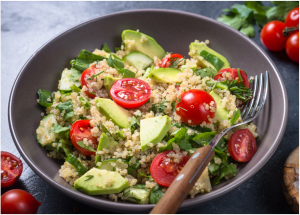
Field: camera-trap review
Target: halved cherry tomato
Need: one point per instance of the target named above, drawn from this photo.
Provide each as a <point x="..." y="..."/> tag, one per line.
<point x="272" y="37"/>
<point x="242" y="145"/>
<point x="166" y="62"/>
<point x="86" y="78"/>
<point x="195" y="106"/>
<point x="19" y="202"/>
<point x="11" y="169"/>
<point x="292" y="18"/>
<point x="81" y="129"/>
<point x="292" y="47"/>
<point x="130" y="92"/>
<point x="233" y="74"/>
<point x="163" y="168"/>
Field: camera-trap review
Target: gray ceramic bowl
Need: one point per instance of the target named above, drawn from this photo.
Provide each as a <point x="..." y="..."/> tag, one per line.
<point x="44" y="68"/>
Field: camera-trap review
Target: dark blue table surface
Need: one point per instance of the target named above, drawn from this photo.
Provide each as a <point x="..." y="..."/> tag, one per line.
<point x="25" y="26"/>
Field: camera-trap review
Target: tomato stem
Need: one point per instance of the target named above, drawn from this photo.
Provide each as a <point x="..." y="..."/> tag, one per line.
<point x="287" y="30"/>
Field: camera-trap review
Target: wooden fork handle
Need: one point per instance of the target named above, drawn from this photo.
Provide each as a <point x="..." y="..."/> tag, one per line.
<point x="182" y="185"/>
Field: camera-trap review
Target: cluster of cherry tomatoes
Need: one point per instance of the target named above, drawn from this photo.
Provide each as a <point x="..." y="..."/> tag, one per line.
<point x="277" y="35"/>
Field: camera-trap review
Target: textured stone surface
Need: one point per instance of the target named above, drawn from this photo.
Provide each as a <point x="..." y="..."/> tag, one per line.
<point x="26" y="26"/>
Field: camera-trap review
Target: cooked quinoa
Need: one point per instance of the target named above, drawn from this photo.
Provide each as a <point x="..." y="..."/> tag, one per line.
<point x="130" y="145"/>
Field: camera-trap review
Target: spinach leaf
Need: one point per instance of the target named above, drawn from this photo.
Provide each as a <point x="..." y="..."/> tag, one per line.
<point x="105" y="48"/>
<point x="180" y="133"/>
<point x="67" y="107"/>
<point x="67" y="147"/>
<point x="75" y="75"/>
<point x="44" y="97"/>
<point x="156" y="194"/>
<point x="115" y="62"/>
<point x="214" y="60"/>
<point x="68" y="115"/>
<point x="85" y="103"/>
<point x="168" y="146"/>
<point x="56" y="128"/>
<point x="82" y="145"/>
<point x="185" y="145"/>
<point x="126" y="73"/>
<point x="206" y="72"/>
<point x="75" y="88"/>
<point x="221" y="155"/>
<point x="204" y="138"/>
<point x="133" y="167"/>
<point x="77" y="164"/>
<point x="158" y="107"/>
<point x="213" y="168"/>
<point x="220" y="143"/>
<point x="134" y="124"/>
<point x="235" y="116"/>
<point x="84" y="59"/>
<point x="225" y="170"/>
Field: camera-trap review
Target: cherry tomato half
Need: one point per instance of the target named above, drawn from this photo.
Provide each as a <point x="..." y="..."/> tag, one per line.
<point x="195" y="106"/>
<point x="272" y="37"/>
<point x="242" y="145"/>
<point x="164" y="169"/>
<point x="81" y="129"/>
<point x="130" y="92"/>
<point x="166" y="62"/>
<point x="292" y="47"/>
<point x="223" y="74"/>
<point x="19" y="202"/>
<point x="11" y="169"/>
<point x="86" y="78"/>
<point x="292" y="18"/>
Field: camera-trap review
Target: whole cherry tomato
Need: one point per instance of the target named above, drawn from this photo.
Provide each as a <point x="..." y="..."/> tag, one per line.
<point x="292" y="47"/>
<point x="292" y="18"/>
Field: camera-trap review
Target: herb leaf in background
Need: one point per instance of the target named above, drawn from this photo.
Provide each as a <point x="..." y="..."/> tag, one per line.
<point x="105" y="48"/>
<point x="225" y="170"/>
<point x="85" y="103"/>
<point x="82" y="145"/>
<point x="44" y="96"/>
<point x="56" y="128"/>
<point x="126" y="73"/>
<point x="133" y="167"/>
<point x="235" y="116"/>
<point x="159" y="107"/>
<point x="280" y="10"/>
<point x="156" y="194"/>
<point x="84" y="59"/>
<point x="134" y="124"/>
<point x="206" y="72"/>
<point x="204" y="138"/>
<point x="115" y="62"/>
<point x="67" y="107"/>
<point x="75" y="88"/>
<point x="147" y="176"/>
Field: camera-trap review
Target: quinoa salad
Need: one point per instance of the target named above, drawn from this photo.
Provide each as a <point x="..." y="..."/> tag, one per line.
<point x="126" y="121"/>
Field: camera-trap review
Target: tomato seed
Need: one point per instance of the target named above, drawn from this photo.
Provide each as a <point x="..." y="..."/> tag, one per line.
<point x="8" y="158"/>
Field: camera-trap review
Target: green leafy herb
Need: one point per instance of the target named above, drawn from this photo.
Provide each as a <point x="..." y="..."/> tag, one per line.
<point x="144" y="175"/>
<point x="175" y="61"/>
<point x="85" y="103"/>
<point x="214" y="60"/>
<point x="75" y="75"/>
<point x="206" y="72"/>
<point x="173" y="104"/>
<point x="197" y="128"/>
<point x="134" y="124"/>
<point x="67" y="147"/>
<point x="115" y="62"/>
<point x="45" y="98"/>
<point x="117" y="49"/>
<point x="56" y="128"/>
<point x="280" y="10"/>
<point x="183" y="109"/>
<point x="133" y="167"/>
<point x="229" y="169"/>
<point x="89" y="177"/>
<point x="159" y="107"/>
<point x="50" y="147"/>
<point x="204" y="138"/>
<point x="156" y="194"/>
<point x="239" y="74"/>
<point x="77" y="164"/>
<point x="221" y="142"/>
<point x="235" y="116"/>
<point x="105" y="48"/>
<point x="127" y="73"/>
<point x="67" y="107"/>
<point x="221" y="155"/>
<point x="185" y="145"/>
<point x="168" y="146"/>
<point x="92" y="93"/>
<point x="140" y="186"/>
<point x="84" y="59"/>
<point x="82" y="145"/>
<point x="75" y="88"/>
<point x="120" y="134"/>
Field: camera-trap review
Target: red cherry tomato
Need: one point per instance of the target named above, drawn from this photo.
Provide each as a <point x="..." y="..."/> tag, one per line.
<point x="11" y="169"/>
<point x="19" y="202"/>
<point x="272" y="37"/>
<point x="130" y="92"/>
<point x="194" y="106"/>
<point x="233" y="74"/>
<point x="166" y="62"/>
<point x="292" y="47"/>
<point x="292" y="18"/>
<point x="81" y="129"/>
<point x="242" y="145"/>
<point x="86" y="78"/>
<point x="164" y="169"/>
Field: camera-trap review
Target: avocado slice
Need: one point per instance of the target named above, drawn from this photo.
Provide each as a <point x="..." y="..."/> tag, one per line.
<point x="137" y="194"/>
<point x="202" y="51"/>
<point x="104" y="142"/>
<point x="100" y="181"/>
<point x="221" y="113"/>
<point x="149" y="46"/>
<point x="113" y="111"/>
<point x="165" y="75"/>
<point x="153" y="130"/>
<point x="109" y="81"/>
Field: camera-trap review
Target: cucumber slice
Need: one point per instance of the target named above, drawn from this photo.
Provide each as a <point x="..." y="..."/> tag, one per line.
<point x="68" y="78"/>
<point x="111" y="164"/>
<point x="137" y="194"/>
<point x="138" y="60"/>
<point x="44" y="133"/>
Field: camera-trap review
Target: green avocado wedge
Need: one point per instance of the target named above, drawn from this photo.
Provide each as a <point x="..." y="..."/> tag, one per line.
<point x="221" y="113"/>
<point x="109" y="81"/>
<point x="208" y="57"/>
<point x="153" y="130"/>
<point x="165" y="75"/>
<point x="100" y="181"/>
<point x="113" y="111"/>
<point x="143" y="44"/>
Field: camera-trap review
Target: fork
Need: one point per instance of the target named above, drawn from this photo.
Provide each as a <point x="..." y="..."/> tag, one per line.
<point x="188" y="176"/>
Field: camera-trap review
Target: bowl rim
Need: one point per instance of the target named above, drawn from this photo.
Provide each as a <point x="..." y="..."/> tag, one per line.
<point x="126" y="206"/>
